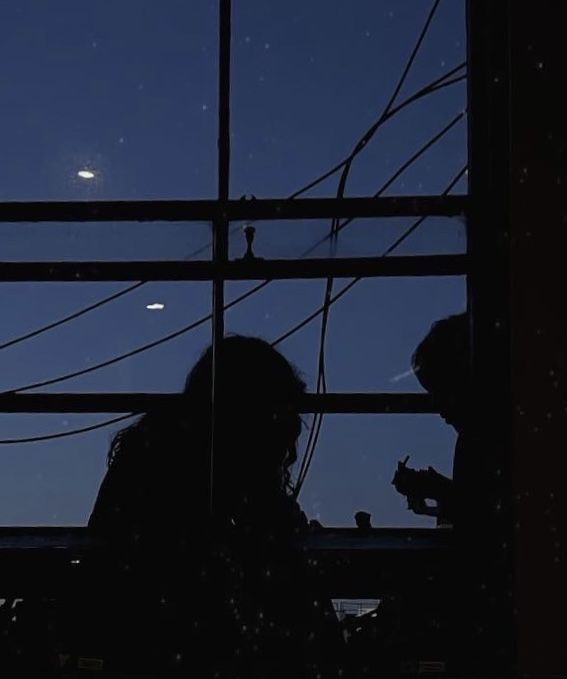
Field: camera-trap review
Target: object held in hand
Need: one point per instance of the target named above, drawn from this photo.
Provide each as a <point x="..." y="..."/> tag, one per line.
<point x="419" y="485"/>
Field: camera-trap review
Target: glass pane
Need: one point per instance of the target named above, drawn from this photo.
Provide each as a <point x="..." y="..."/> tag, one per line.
<point x="303" y="97"/>
<point x="55" y="482"/>
<point x="52" y="483"/>
<point x="359" y="238"/>
<point x="139" y="317"/>
<point x="375" y="328"/>
<point x="105" y="241"/>
<point x="272" y="311"/>
<point x="372" y="330"/>
<point x="355" y="462"/>
<point x="123" y="91"/>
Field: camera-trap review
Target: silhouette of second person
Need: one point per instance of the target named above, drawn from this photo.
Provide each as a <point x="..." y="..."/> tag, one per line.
<point x="441" y="364"/>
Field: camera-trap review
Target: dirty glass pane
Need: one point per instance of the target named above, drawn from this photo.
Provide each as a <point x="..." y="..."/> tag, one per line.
<point x="272" y="310"/>
<point x="355" y="462"/>
<point x="139" y="317"/>
<point x="292" y="239"/>
<point x="105" y="241"/>
<point x="52" y="483"/>
<point x="108" y="100"/>
<point x="372" y="330"/>
<point x="55" y="482"/>
<point x="305" y="90"/>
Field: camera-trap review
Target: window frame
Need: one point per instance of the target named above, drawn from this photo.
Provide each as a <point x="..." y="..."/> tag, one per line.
<point x="221" y="212"/>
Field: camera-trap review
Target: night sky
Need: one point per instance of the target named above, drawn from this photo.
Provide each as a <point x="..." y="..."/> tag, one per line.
<point x="127" y="90"/>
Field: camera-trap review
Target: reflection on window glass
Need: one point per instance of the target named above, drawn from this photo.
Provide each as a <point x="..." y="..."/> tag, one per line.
<point x="374" y="329"/>
<point x="356" y="459"/>
<point x="142" y="316"/>
<point x="108" y="100"/>
<point x="105" y="241"/>
<point x="302" y="97"/>
<point x="52" y="483"/>
<point x="357" y="238"/>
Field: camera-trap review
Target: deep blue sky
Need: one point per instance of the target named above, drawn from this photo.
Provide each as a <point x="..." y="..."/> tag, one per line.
<point x="128" y="90"/>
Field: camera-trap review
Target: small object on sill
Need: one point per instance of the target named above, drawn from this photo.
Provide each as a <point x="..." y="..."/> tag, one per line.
<point x="363" y="520"/>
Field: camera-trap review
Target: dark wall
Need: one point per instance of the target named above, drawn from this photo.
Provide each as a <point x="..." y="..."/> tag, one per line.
<point x="538" y="332"/>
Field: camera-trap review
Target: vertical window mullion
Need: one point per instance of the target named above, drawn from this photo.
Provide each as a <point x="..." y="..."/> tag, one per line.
<point x="220" y="227"/>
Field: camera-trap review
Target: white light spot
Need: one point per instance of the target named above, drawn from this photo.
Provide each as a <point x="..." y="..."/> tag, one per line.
<point x="204" y="107"/>
<point x="156" y="306"/>
<point x="247" y="39"/>
<point x="121" y="140"/>
<point x="86" y="174"/>
<point x="267" y="46"/>
<point x="402" y="376"/>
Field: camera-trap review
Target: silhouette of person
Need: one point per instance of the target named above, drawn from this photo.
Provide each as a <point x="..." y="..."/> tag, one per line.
<point x="229" y="593"/>
<point x="441" y="364"/>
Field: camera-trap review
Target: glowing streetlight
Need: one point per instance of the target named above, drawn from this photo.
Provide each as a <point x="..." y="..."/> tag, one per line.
<point x="86" y="174"/>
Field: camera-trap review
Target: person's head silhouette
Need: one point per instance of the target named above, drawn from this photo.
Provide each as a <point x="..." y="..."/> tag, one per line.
<point x="257" y="409"/>
<point x="441" y="363"/>
<point x="159" y="467"/>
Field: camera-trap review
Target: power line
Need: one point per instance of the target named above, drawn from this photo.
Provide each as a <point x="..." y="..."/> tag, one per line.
<point x="201" y="320"/>
<point x="413" y="54"/>
<point x="314" y="435"/>
<point x="329" y="299"/>
<point x="396" y="174"/>
<point x="432" y="87"/>
<point x="138" y="350"/>
<point x="71" y="317"/>
<point x="87" y="309"/>
<point x="299" y="326"/>
<point x="318" y="418"/>
<point x="366" y="138"/>
<point x="64" y="434"/>
<point x="162" y="340"/>
<point x="335" y="229"/>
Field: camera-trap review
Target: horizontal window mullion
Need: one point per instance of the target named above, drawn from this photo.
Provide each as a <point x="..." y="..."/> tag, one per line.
<point x="233" y="210"/>
<point x="76" y="538"/>
<point x="332" y="403"/>
<point x="256" y="269"/>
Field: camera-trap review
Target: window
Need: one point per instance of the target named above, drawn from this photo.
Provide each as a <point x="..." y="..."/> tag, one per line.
<point x="118" y="143"/>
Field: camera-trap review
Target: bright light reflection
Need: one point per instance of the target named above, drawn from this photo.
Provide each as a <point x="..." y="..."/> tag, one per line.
<point x="402" y="376"/>
<point x="86" y="174"/>
<point x="156" y="306"/>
